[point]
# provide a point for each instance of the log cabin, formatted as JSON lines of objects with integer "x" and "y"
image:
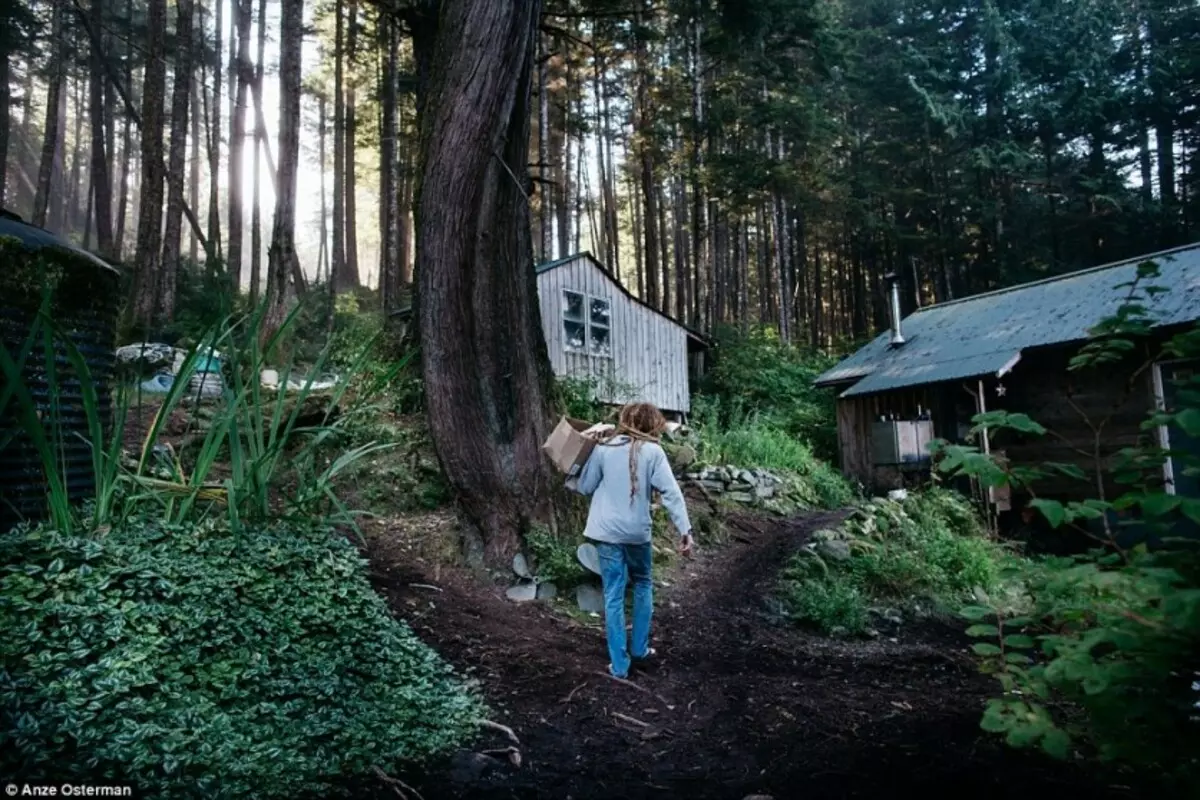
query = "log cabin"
{"x": 932, "y": 371}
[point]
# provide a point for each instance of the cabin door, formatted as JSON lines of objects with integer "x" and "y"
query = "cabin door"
{"x": 1171, "y": 378}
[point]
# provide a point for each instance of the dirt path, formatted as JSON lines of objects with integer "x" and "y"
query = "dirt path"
{"x": 739, "y": 705}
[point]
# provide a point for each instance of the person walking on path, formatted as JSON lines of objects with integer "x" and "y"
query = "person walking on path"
{"x": 619, "y": 476}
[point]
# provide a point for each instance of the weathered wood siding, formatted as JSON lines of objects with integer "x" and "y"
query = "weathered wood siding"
{"x": 1116, "y": 400}
{"x": 649, "y": 352}
{"x": 855, "y": 416}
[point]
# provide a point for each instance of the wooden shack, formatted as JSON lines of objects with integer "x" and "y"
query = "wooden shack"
{"x": 935, "y": 369}
{"x": 597, "y": 331}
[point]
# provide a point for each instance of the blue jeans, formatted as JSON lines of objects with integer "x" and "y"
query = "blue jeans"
{"x": 615, "y": 561}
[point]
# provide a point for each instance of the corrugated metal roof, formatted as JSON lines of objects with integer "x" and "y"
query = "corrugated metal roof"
{"x": 984, "y": 334}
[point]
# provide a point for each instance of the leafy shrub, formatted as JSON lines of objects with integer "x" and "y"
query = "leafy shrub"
{"x": 751, "y": 441}
{"x": 198, "y": 661}
{"x": 1115, "y": 632}
{"x": 928, "y": 550}
{"x": 754, "y": 372}
{"x": 554, "y": 558}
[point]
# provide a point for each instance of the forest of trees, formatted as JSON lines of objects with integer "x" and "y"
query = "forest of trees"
{"x": 732, "y": 162}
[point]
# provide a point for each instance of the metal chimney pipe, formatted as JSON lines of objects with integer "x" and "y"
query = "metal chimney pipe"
{"x": 894, "y": 301}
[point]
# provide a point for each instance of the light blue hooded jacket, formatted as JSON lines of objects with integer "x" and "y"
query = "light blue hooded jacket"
{"x": 617, "y": 517}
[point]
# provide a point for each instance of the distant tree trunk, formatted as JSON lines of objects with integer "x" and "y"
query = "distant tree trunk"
{"x": 54, "y": 121}
{"x": 214, "y": 142}
{"x": 404, "y": 230}
{"x": 177, "y": 153}
{"x": 259, "y": 135}
{"x": 598, "y": 93}
{"x": 241, "y": 75}
{"x": 544, "y": 192}
{"x": 323, "y": 247}
{"x": 150, "y": 194}
{"x": 699, "y": 297}
{"x": 339, "y": 149}
{"x": 283, "y": 262}
{"x": 194, "y": 160}
{"x": 5, "y": 115}
{"x": 126, "y": 157}
{"x": 389, "y": 268}
{"x": 74, "y": 195}
{"x": 562, "y": 157}
{"x": 351, "y": 274}
{"x": 485, "y": 363}
{"x": 101, "y": 190}
{"x": 679, "y": 214}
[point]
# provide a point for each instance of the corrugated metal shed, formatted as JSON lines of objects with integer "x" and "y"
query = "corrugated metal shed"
{"x": 985, "y": 334}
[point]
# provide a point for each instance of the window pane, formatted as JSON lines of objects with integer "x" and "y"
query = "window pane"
{"x": 573, "y": 334}
{"x": 599, "y": 312}
{"x": 573, "y": 306}
{"x": 601, "y": 341}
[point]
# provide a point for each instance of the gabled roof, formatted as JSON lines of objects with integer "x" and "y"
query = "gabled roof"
{"x": 695, "y": 336}
{"x": 986, "y": 334}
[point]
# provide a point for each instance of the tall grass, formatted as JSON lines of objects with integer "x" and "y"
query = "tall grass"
{"x": 254, "y": 440}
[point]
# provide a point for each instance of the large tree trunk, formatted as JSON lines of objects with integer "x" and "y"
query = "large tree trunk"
{"x": 350, "y": 274}
{"x": 54, "y": 120}
{"x": 544, "y": 193}
{"x": 487, "y": 372}
{"x": 101, "y": 190}
{"x": 175, "y": 158}
{"x": 150, "y": 194}
{"x": 282, "y": 260}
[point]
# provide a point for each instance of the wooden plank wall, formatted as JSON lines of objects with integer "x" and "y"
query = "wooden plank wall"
{"x": 855, "y": 416}
{"x": 649, "y": 352}
{"x": 1064, "y": 402}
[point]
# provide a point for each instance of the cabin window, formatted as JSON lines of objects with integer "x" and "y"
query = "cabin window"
{"x": 587, "y": 324}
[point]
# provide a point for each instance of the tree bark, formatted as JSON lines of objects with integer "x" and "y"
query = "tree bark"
{"x": 54, "y": 121}
{"x": 150, "y": 194}
{"x": 282, "y": 260}
{"x": 177, "y": 153}
{"x": 101, "y": 190}
{"x": 484, "y": 359}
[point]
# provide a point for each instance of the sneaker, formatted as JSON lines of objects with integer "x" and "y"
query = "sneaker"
{"x": 646, "y": 663}
{"x": 613, "y": 672}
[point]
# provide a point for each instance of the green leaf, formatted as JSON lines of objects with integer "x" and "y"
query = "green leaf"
{"x": 985, "y": 649}
{"x": 1052, "y": 510}
{"x": 1056, "y": 743}
{"x": 1019, "y": 640}
{"x": 1159, "y": 504}
{"x": 1191, "y": 509}
{"x": 980, "y": 631}
{"x": 1189, "y": 421}
{"x": 975, "y": 613}
{"x": 1017, "y": 659}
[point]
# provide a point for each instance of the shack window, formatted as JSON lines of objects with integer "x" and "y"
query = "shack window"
{"x": 587, "y": 326}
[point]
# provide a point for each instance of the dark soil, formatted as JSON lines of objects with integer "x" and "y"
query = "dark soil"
{"x": 740, "y": 703}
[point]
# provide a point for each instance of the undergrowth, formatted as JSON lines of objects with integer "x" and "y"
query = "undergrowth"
{"x": 193, "y": 660}
{"x": 923, "y": 555}
{"x": 750, "y": 440}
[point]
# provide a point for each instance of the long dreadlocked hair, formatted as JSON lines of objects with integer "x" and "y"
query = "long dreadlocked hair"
{"x": 641, "y": 422}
